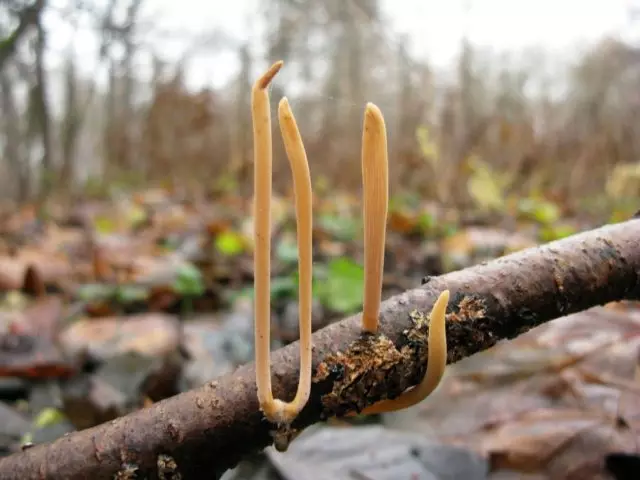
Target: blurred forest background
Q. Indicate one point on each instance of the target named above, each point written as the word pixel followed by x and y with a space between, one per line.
pixel 490 131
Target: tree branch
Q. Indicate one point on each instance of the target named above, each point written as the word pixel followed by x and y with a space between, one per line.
pixel 208 430
pixel 27 18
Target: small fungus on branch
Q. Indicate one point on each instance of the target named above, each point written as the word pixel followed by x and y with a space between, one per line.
pixel 436 363
pixel 275 410
pixel 375 184
pixel 375 179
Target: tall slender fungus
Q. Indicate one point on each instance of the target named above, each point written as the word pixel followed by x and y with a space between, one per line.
pixel 278 411
pixel 375 179
pixel 304 221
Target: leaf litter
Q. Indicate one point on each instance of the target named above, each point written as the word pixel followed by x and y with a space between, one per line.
pixel 108 306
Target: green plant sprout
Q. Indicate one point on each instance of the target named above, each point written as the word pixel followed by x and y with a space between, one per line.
pixel 189 284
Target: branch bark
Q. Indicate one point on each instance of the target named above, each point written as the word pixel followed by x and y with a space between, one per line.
pixel 205 431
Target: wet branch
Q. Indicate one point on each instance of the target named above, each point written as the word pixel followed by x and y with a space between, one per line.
pixel 206 431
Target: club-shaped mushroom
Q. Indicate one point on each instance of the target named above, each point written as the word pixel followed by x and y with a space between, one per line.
pixel 275 410
pixel 375 206
pixel 375 179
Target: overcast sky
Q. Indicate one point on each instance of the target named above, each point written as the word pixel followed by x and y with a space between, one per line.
pixel 434 26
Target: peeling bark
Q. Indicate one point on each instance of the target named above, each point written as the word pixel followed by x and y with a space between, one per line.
pixel 203 432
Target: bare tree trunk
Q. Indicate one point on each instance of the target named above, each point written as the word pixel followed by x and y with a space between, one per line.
pixel 128 85
pixel 42 111
pixel 71 122
pixel 241 161
pixel 27 18
pixel 12 136
pixel 208 430
pixel 404 128
pixel 284 18
pixel 110 138
pixel 121 126
pixel 76 108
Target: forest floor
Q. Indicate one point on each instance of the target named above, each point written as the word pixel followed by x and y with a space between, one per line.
pixel 111 305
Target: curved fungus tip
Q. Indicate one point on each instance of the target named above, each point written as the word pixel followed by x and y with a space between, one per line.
pixel 372 110
pixel 436 363
pixel 284 109
pixel 265 79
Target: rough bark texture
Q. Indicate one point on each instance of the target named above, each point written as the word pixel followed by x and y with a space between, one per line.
pixel 203 432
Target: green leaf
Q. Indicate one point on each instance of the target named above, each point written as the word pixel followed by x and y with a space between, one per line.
pixel 92 292
pixel 131 293
pixel 343 290
pixel 246 292
pixel 136 215
pixel 27 439
pixel 47 417
pixel 342 228
pixel 170 243
pixel 287 251
pixel 225 183
pixel 281 287
pixel 104 225
pixel 428 147
pixel 447 229
pixel 426 222
pixel 541 211
pixel 189 281
pixel 404 200
pixel 484 186
pixel 230 243
pixel 550 233
pixel 286 286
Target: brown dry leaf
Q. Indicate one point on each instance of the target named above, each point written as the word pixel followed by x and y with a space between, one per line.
pixel 151 334
pixel 26 356
pixel 537 441
pixel 17 219
pixel 151 196
pixel 33 284
pixel 331 248
pixel 57 236
pixel 51 265
pixel 629 406
pixel 89 401
pixel 28 346
pixel 537 403
pixel 161 297
pixel 624 305
pixel 173 218
pixel 373 453
pixel 218 226
pixel 7 280
pixel 99 309
pixel 402 221
pixel 102 269
pixel 43 317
